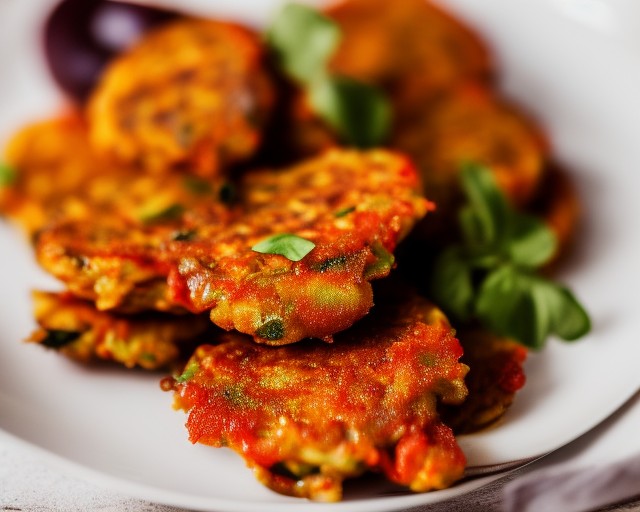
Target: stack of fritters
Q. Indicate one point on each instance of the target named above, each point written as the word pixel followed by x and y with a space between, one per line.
pixel 136 204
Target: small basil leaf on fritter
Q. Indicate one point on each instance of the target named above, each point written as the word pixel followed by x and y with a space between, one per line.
pixel 451 285
pixel 303 40
pixel 8 175
pixel 290 246
pixel 188 373
pixel 359 113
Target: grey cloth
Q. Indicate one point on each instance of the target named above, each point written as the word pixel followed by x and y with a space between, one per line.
pixel 575 490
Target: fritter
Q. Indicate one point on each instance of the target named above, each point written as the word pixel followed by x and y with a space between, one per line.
pixel 410 48
pixel 354 206
pixel 76 329
pixel 557 202
pixel 495 375
pixel 470 123
pixel 59 176
pixel 193 94
pixel 307 416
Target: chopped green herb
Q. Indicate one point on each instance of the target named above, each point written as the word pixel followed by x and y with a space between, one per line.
pixel 188 372
pixel 303 42
pixel 184 235
pixel 8 175
pixel 331 264
pixel 197 186
pixel 170 213
pixel 344 212
pixel 382 265
pixel 491 274
pixel 148 356
pixel 271 330
pixel 290 246
pixel 57 338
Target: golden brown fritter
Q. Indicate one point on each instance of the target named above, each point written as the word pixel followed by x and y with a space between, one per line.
pixel 310 415
pixel 410 48
pixel 470 123
pixel 58 176
pixel 76 329
pixel 193 94
pixel 354 206
pixel 495 375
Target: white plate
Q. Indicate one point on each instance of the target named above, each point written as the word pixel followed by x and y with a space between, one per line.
pixel 574 63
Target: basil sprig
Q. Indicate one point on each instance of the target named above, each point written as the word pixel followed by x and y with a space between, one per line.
pixel 303 41
pixel 491 275
pixel 292 247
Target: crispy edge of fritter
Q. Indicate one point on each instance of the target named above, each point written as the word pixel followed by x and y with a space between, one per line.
pixel 77 330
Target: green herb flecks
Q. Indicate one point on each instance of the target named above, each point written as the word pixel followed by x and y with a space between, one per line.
pixel 303 41
pixel 197 186
pixel 170 213
pixel 382 265
pixel 184 235
pixel 290 246
pixel 344 212
pixel 188 373
pixel 57 338
pixel 271 330
pixel 492 276
pixel 8 175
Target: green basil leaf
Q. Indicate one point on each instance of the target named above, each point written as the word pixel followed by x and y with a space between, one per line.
pixel 360 114
pixel 8 175
pixel 487 200
pixel 531 242
pixel 271 330
pixel 509 306
pixel 451 284
pixel 570 321
pixel 290 246
pixel 303 40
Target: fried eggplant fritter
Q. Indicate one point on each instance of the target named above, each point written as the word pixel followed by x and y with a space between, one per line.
pixel 307 416
pixel 193 94
pixel 59 176
pixel 471 124
pixel 76 329
pixel 354 206
pixel 496 373
pixel 410 48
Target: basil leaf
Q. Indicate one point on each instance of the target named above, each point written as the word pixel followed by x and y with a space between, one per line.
pixel 8 175
pixel 490 207
pixel 570 321
pixel 359 113
pixel 290 246
pixel 506 304
pixel 451 284
pixel 188 372
pixel 531 243
pixel 303 40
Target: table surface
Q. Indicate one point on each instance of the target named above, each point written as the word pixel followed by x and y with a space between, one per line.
pixel 29 484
